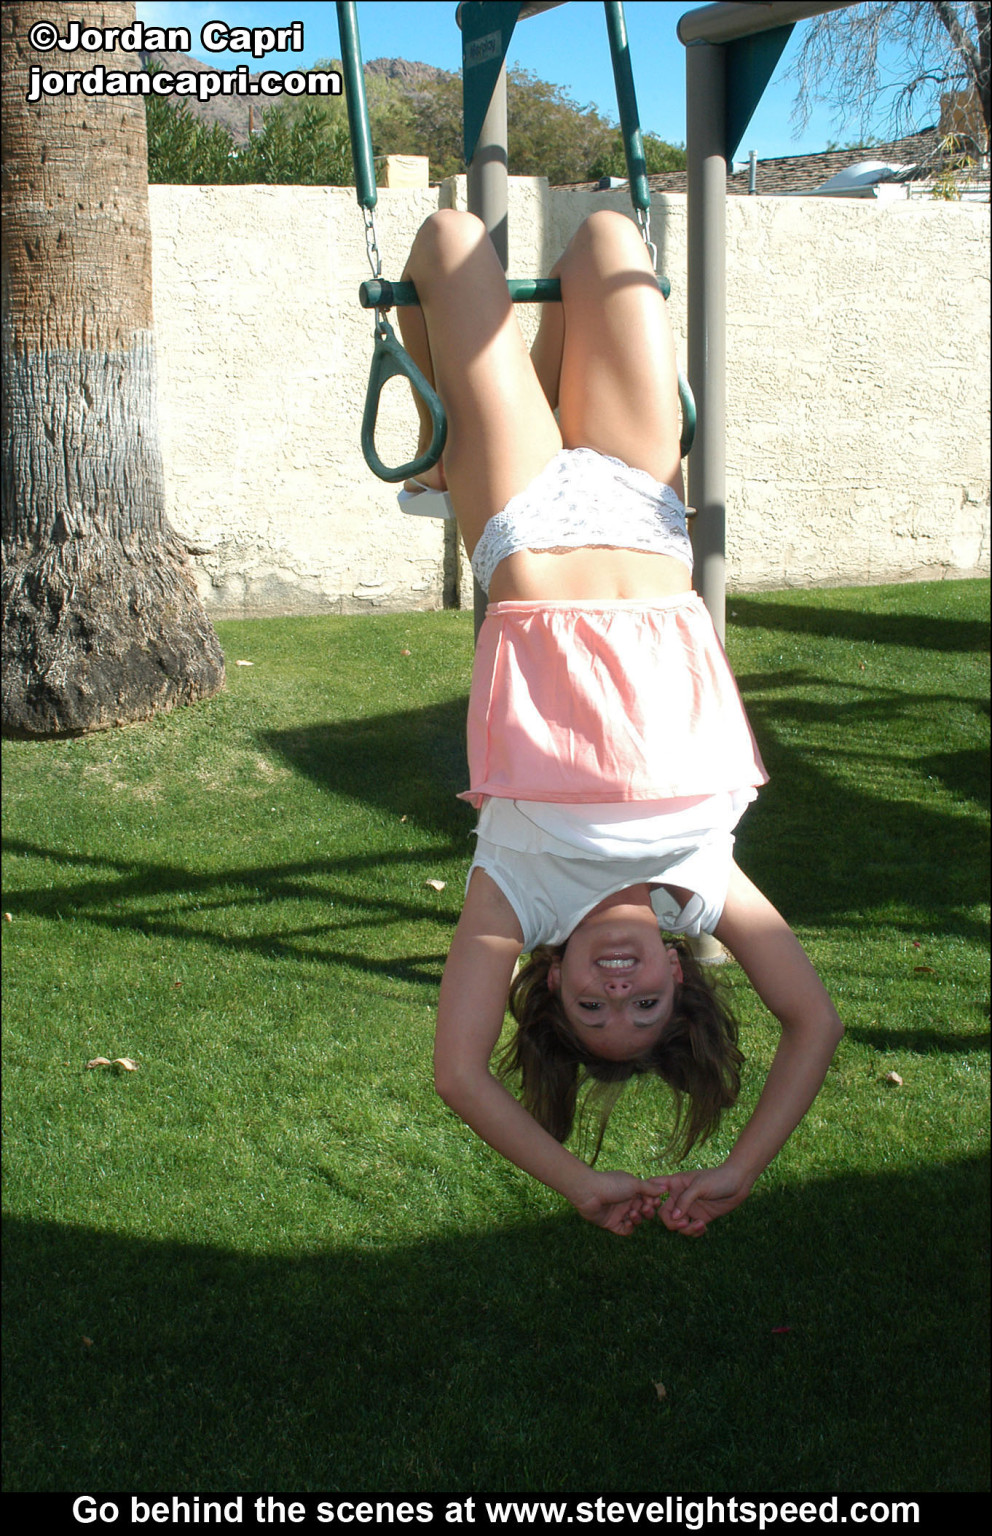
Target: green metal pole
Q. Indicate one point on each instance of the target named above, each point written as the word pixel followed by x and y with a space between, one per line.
pixel 358 112
pixel 380 293
pixel 633 145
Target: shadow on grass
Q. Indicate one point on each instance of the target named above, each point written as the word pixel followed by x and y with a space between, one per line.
pixel 821 849
pixel 919 1041
pixel 830 847
pixel 965 772
pixel 833 622
pixel 173 902
pixel 410 763
pixel 826 852
pixel 836 839
pixel 829 1337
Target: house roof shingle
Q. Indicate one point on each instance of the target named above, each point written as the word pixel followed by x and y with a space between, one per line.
pixel 797 174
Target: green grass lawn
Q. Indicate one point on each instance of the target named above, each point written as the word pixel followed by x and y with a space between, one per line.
pixel 270 1259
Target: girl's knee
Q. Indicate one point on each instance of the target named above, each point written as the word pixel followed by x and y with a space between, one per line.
pixel 448 233
pixel 609 222
pixel 607 232
pixel 448 242
pixel 604 243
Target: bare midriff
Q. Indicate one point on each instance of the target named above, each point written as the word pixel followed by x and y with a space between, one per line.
pixel 587 574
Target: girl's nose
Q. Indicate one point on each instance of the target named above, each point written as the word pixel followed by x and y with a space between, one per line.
pixel 617 986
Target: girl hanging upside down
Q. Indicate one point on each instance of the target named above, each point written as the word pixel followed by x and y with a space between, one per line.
pixel 610 757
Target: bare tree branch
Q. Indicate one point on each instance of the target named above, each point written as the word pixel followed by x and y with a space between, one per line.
pixel 890 63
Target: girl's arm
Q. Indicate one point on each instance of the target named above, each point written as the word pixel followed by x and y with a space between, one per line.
pixel 472 1006
pixel 778 968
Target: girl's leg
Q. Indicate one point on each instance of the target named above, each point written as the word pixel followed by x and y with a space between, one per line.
pixel 413 329
pixel 501 431
pixel 617 389
pixel 546 353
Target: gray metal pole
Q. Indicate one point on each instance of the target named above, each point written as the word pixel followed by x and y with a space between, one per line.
pixel 706 263
pixel 487 174
pixel 487 197
pixel 707 212
pixel 723 23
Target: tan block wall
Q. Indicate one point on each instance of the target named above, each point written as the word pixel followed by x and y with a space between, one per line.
pixel 858 389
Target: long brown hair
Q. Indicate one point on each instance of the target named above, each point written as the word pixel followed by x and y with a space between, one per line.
pixel 696 1055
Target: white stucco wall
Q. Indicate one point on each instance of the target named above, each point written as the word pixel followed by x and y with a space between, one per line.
pixel 858 391
pixel 858 388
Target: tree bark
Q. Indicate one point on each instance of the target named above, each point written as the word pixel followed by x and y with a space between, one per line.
pixel 974 55
pixel 102 622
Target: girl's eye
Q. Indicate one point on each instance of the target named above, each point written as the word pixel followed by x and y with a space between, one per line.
pixel 647 1002
pixel 590 1007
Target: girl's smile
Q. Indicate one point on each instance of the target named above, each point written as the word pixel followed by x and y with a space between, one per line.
pixel 617 978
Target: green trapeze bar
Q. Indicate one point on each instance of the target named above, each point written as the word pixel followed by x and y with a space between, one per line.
pixel 380 293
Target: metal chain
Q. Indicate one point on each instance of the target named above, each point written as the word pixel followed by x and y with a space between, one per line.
pixel 375 262
pixel 371 244
pixel 644 225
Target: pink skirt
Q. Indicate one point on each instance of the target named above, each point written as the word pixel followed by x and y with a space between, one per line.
pixel 593 702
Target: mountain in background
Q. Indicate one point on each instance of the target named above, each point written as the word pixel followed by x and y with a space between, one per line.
pixel 413 108
pixel 241 115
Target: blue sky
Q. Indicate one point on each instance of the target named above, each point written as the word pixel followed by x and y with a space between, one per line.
pixel 566 46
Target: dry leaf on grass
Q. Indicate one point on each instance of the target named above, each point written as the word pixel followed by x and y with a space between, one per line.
pixel 98 1061
pixel 125 1063
pixel 893 1077
pixel 661 1389
pixel 244 663
pixel 435 885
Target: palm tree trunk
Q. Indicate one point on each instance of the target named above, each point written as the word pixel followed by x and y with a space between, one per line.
pixel 102 623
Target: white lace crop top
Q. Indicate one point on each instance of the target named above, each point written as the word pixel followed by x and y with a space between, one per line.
pixel 585 500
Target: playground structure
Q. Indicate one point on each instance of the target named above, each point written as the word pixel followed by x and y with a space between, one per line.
pixel 731 52
pixel 483 52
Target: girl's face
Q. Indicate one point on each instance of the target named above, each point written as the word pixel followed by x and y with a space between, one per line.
pixel 617 978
